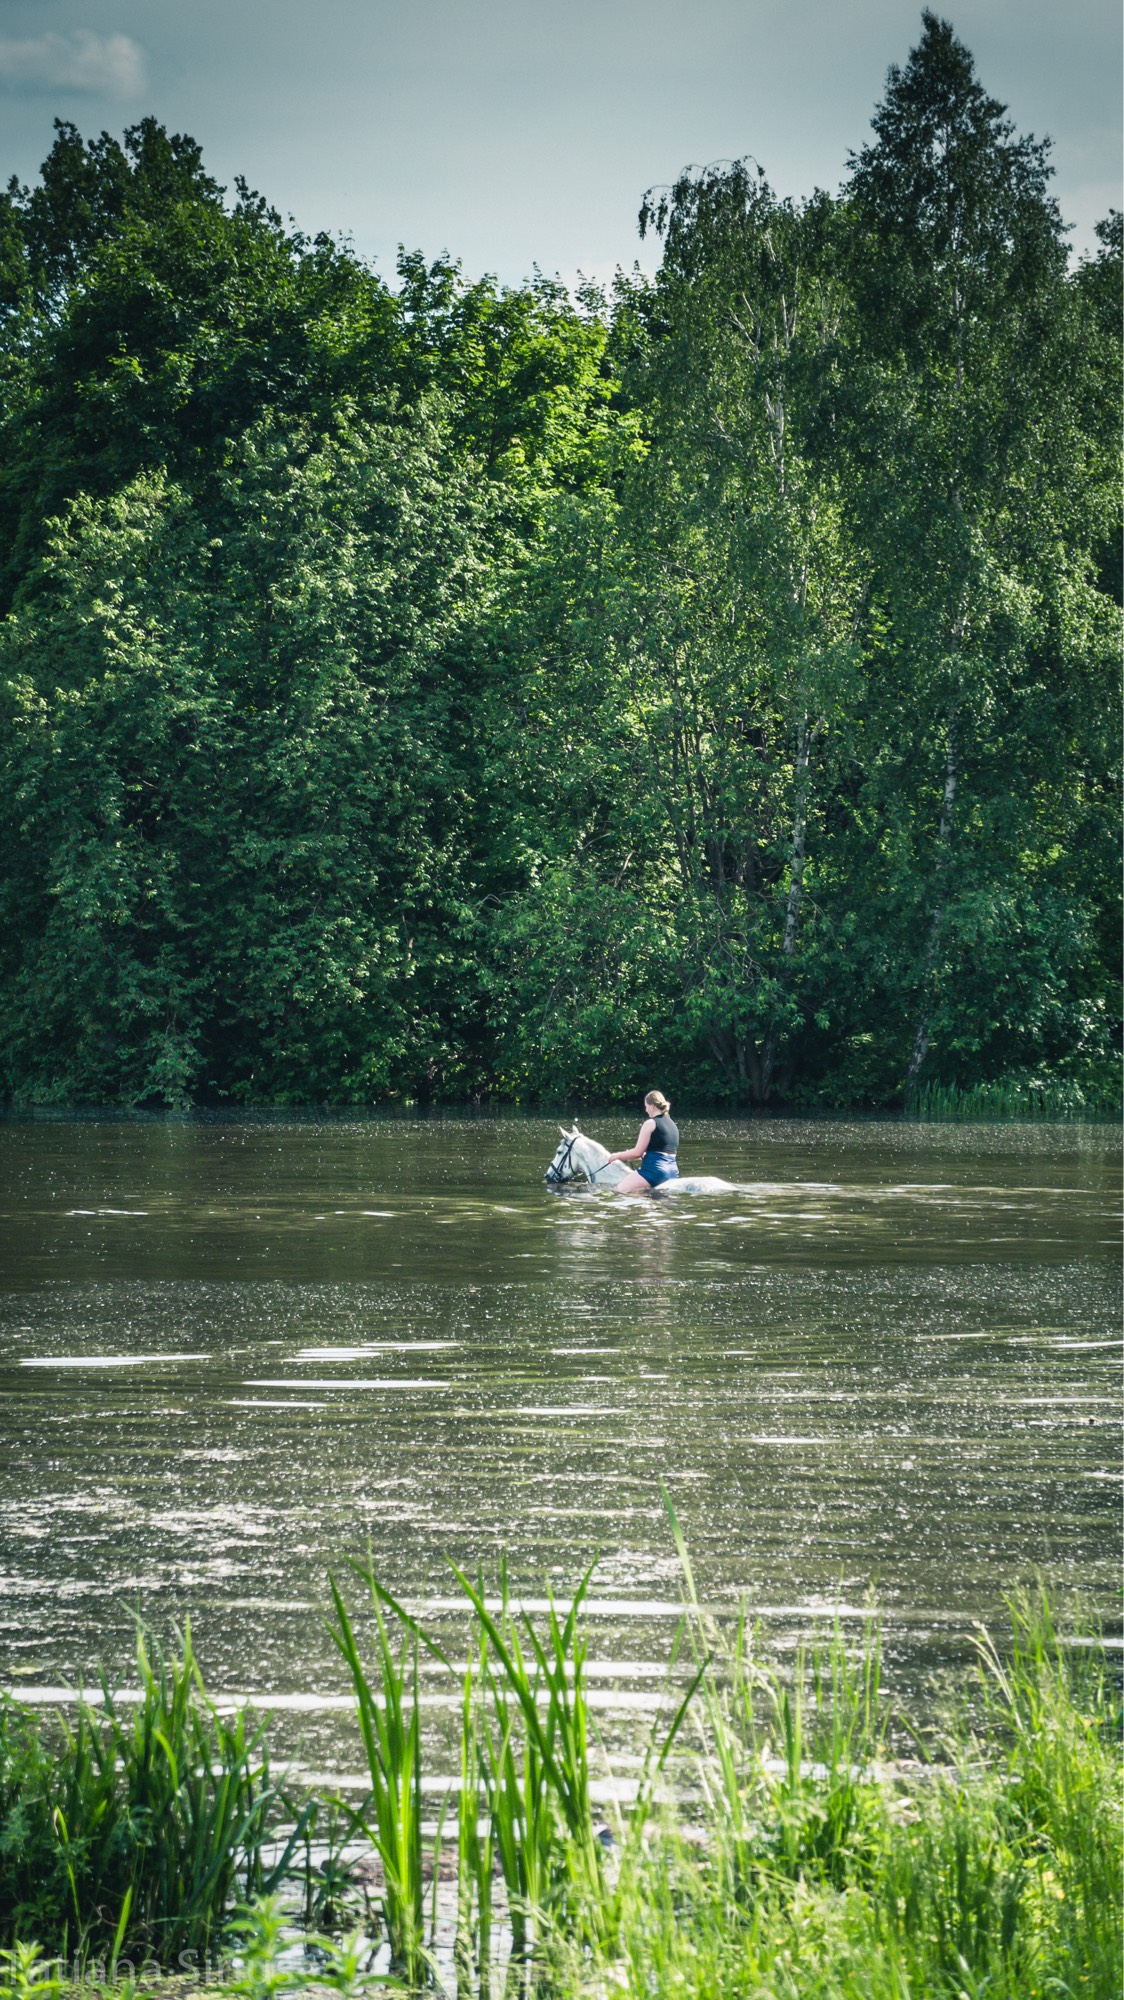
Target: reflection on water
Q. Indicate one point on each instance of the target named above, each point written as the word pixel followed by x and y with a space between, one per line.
pixel 232 1355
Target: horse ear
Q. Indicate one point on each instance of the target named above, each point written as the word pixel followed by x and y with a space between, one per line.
pixel 577 1127
pixel 563 1131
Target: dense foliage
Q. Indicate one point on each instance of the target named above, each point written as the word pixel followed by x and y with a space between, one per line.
pixel 445 690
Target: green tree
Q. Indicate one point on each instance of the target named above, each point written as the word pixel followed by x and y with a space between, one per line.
pixel 966 446
pixel 230 790
pixel 150 323
pixel 467 687
pixel 708 667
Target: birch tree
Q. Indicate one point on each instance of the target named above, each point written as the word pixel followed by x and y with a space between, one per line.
pixel 746 593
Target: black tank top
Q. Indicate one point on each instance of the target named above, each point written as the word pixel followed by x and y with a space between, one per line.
pixel 665 1135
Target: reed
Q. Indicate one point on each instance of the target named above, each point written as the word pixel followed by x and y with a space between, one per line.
pixel 524 1804
pixel 993 1870
pixel 133 1830
pixel 325 1876
pixel 538 1781
pixel 1052 1708
pixel 389 1720
pixel 475 1848
pixel 789 1765
pixel 1016 1100
pixel 813 1867
pixel 535 1763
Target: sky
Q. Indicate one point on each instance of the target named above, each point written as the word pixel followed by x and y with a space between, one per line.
pixel 515 133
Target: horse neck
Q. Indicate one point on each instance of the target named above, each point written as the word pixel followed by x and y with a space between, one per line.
pixel 590 1154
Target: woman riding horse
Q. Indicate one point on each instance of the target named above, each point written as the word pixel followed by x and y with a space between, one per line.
pixel 657 1144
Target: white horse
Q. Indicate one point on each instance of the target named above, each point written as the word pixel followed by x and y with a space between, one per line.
pixel 578 1155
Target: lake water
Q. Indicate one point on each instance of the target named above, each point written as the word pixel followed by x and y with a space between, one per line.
pixel 234 1354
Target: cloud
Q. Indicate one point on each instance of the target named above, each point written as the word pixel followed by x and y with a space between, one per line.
pixel 108 65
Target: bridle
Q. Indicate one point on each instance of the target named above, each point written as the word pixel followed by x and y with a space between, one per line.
pixel 556 1174
pixel 554 1171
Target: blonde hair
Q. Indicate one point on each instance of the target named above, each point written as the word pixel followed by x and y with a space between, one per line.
pixel 657 1098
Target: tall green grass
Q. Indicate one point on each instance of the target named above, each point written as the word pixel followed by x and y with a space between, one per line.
pixel 534 1740
pixel 475 1844
pixel 788 1764
pixel 525 1805
pixel 1016 1100
pixel 795 1853
pixel 988 1866
pixel 131 1830
pixel 386 1698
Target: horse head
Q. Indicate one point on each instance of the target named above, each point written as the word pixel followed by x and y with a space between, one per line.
pixel 563 1167
pixel 578 1156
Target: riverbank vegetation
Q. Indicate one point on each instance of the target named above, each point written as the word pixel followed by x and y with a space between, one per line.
pixel 785 1833
pixel 1017 1101
pixel 428 690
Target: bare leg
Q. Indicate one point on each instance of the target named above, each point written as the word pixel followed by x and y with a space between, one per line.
pixel 632 1184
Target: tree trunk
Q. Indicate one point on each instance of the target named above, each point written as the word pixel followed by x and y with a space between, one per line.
pixel 944 836
pixel 737 1056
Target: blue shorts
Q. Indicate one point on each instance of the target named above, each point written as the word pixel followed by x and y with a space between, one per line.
pixel 657 1167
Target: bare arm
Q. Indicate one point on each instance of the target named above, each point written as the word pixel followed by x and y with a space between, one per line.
pixel 636 1152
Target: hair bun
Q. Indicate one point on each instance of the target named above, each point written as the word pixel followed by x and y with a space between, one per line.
pixel 657 1098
